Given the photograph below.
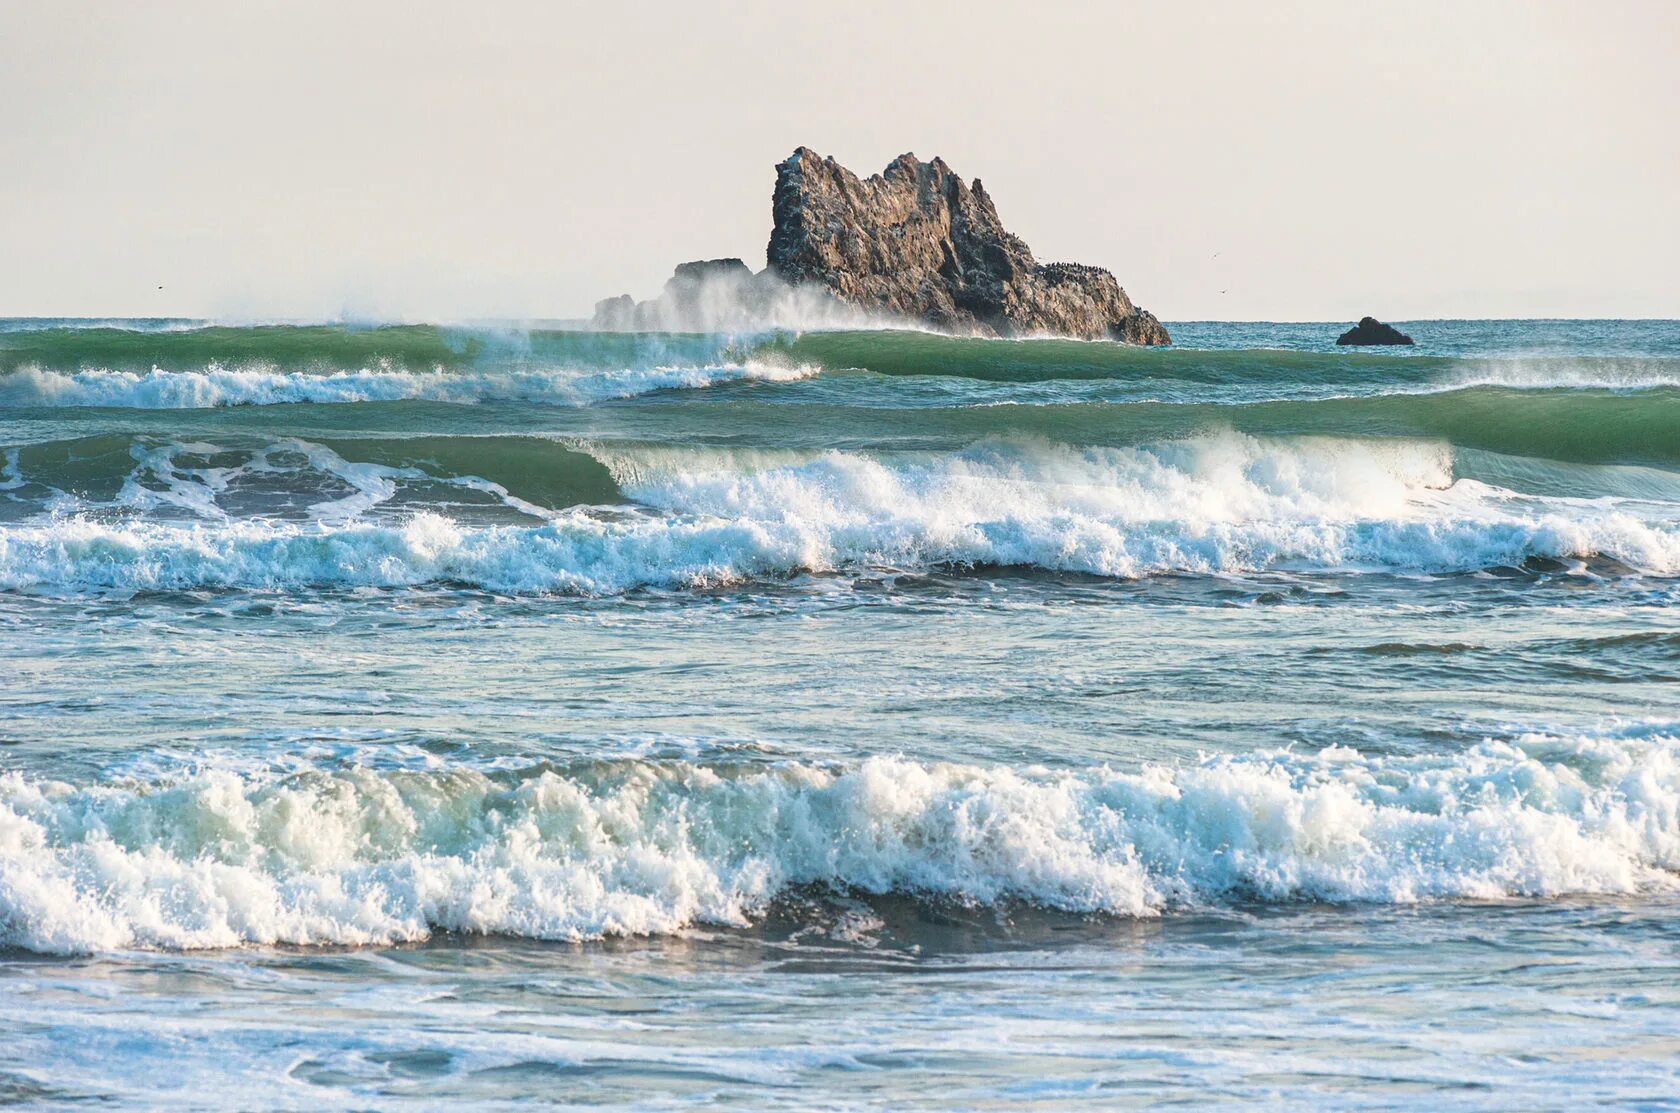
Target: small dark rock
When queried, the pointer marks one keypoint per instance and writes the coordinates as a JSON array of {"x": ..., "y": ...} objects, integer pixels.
[{"x": 1369, "y": 330}]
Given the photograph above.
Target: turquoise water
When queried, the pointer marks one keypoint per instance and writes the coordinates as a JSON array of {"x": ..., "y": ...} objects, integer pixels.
[{"x": 481, "y": 714}]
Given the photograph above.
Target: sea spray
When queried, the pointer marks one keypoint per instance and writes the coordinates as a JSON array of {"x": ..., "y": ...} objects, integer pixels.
[
  {"x": 351, "y": 855},
  {"x": 1219, "y": 504},
  {"x": 216, "y": 385}
]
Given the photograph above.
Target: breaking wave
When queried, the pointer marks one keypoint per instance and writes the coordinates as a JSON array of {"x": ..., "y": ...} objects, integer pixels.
[
  {"x": 351, "y": 856},
  {"x": 909, "y": 353},
  {"x": 1224, "y": 503},
  {"x": 222, "y": 386}
]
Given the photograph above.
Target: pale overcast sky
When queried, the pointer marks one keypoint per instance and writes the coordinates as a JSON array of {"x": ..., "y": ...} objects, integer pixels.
[{"x": 1257, "y": 160}]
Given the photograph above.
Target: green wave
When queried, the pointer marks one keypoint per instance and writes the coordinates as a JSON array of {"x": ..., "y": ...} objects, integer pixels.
[
  {"x": 1579, "y": 426},
  {"x": 328, "y": 347},
  {"x": 921, "y": 353},
  {"x": 1566, "y": 442},
  {"x": 535, "y": 470},
  {"x": 1575, "y": 425},
  {"x": 338, "y": 347},
  {"x": 1587, "y": 427},
  {"x": 1036, "y": 361}
]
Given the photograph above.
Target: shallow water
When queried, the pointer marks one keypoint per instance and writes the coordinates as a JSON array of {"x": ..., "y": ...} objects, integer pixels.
[{"x": 842, "y": 719}]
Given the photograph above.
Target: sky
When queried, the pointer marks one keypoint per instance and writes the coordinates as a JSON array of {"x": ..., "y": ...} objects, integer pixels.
[{"x": 1277, "y": 161}]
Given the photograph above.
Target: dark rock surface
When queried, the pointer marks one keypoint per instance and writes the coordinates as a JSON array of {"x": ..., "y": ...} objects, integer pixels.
[
  {"x": 917, "y": 242},
  {"x": 1369, "y": 330}
]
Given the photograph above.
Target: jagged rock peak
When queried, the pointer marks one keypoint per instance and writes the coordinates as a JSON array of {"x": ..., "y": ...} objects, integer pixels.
[{"x": 917, "y": 242}]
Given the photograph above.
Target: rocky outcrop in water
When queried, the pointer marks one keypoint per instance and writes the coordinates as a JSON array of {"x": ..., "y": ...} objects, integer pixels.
[
  {"x": 918, "y": 242},
  {"x": 702, "y": 295},
  {"x": 1369, "y": 330},
  {"x": 724, "y": 295},
  {"x": 915, "y": 243}
]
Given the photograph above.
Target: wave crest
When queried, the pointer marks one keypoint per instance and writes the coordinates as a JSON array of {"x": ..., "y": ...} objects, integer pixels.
[
  {"x": 1218, "y": 504},
  {"x": 630, "y": 847},
  {"x": 216, "y": 386}
]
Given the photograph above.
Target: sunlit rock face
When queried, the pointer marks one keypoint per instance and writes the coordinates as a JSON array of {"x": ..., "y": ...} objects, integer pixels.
[{"x": 916, "y": 242}]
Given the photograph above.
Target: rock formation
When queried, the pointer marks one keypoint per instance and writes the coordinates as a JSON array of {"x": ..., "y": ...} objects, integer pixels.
[
  {"x": 702, "y": 295},
  {"x": 1369, "y": 330},
  {"x": 918, "y": 242},
  {"x": 724, "y": 295},
  {"x": 915, "y": 243}
]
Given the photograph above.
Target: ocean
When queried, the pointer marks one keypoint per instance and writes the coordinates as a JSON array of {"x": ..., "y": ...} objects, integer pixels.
[{"x": 419, "y": 716}]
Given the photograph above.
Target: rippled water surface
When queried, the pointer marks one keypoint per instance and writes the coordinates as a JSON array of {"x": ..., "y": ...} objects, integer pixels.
[{"x": 427, "y": 715}]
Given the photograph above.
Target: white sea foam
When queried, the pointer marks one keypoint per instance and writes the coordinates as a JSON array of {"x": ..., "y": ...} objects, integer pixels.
[
  {"x": 1562, "y": 373},
  {"x": 244, "y": 386},
  {"x": 356, "y": 856},
  {"x": 1217, "y": 504}
]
